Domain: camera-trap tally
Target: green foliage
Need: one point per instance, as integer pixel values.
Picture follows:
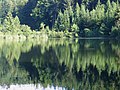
(67, 16)
(45, 11)
(74, 28)
(59, 23)
(115, 31)
(116, 28)
(77, 13)
(100, 19)
(12, 29)
(117, 18)
(42, 26)
(88, 32)
(12, 25)
(10, 6)
(25, 30)
(0, 27)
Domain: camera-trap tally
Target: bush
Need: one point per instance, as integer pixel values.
(88, 32)
(55, 34)
(115, 31)
(74, 28)
(25, 30)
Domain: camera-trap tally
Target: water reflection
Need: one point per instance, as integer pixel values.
(72, 64)
(30, 87)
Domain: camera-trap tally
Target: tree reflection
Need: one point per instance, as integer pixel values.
(78, 64)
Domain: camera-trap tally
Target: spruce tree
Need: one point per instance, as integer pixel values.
(71, 14)
(59, 23)
(67, 21)
(117, 18)
(77, 13)
(99, 11)
(7, 24)
(83, 10)
(109, 10)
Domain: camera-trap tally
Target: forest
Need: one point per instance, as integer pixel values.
(60, 18)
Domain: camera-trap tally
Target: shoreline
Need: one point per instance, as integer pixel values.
(23, 37)
(45, 36)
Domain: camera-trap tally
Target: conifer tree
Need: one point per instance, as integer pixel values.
(67, 22)
(100, 11)
(93, 15)
(117, 18)
(83, 11)
(8, 25)
(109, 10)
(77, 13)
(59, 23)
(88, 15)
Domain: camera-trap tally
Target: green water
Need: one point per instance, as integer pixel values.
(71, 64)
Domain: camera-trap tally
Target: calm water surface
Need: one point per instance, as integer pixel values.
(58, 64)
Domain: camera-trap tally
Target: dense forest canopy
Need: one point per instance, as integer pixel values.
(73, 17)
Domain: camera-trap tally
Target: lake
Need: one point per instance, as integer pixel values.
(60, 64)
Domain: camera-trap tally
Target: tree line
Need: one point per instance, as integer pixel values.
(77, 18)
